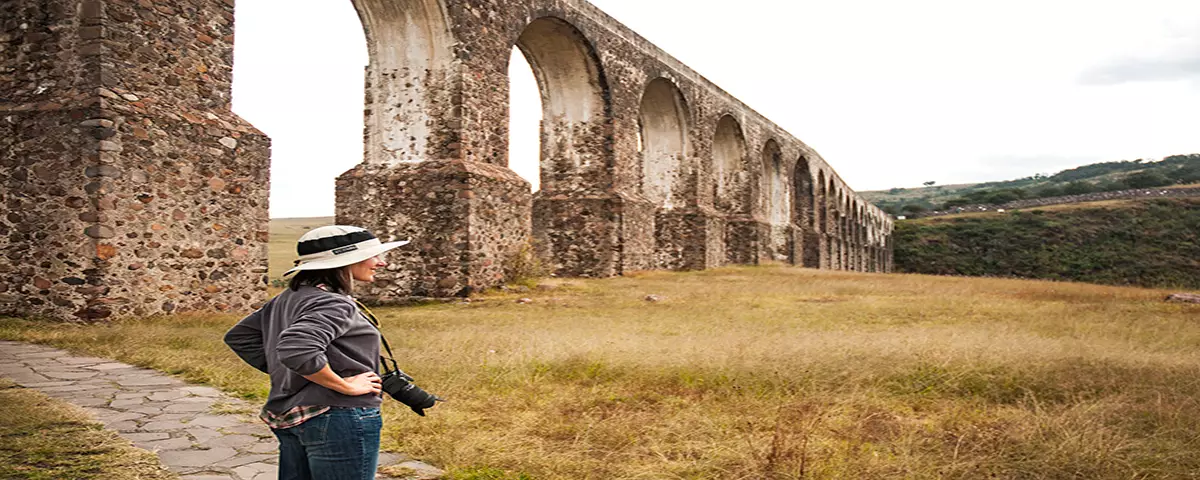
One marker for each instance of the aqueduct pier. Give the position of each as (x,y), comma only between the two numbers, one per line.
(130,188)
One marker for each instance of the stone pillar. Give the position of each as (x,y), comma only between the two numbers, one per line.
(691,239)
(582,236)
(746,239)
(469,222)
(129,186)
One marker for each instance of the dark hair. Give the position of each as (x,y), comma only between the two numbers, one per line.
(338,280)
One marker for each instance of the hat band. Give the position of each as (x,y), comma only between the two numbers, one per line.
(373,242)
(319,245)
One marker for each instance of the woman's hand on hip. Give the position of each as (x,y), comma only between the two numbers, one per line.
(362,384)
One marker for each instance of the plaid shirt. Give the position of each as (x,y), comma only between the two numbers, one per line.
(291,417)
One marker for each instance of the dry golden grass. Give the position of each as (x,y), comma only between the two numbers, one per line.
(46,439)
(766,373)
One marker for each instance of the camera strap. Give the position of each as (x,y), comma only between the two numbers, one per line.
(383,360)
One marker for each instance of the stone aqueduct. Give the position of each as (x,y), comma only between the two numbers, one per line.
(130,188)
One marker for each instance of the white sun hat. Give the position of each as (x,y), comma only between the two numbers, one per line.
(337,246)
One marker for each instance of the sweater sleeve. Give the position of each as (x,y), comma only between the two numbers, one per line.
(302,345)
(246,340)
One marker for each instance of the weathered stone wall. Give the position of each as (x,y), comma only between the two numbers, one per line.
(130,188)
(645,164)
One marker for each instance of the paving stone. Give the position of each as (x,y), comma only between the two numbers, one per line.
(65,388)
(155,412)
(242,459)
(421,470)
(40,355)
(57,383)
(90,402)
(202,434)
(105,393)
(24,379)
(147,409)
(68,375)
(256,429)
(168,444)
(138,381)
(257,470)
(81,360)
(108,366)
(215,421)
(146,437)
(202,391)
(167,395)
(183,417)
(163,425)
(263,446)
(235,441)
(126,426)
(189,407)
(392,458)
(121,417)
(132,402)
(197,458)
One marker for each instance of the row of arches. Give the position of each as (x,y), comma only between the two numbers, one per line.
(613,165)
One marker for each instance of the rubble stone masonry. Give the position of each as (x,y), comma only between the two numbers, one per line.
(129,187)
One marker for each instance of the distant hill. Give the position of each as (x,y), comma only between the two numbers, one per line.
(1152,243)
(1097,177)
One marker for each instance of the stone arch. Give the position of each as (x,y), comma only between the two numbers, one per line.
(663,141)
(775,204)
(576,162)
(730,179)
(575,111)
(805,195)
(804,218)
(774,201)
(409,79)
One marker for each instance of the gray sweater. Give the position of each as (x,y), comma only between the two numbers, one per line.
(297,333)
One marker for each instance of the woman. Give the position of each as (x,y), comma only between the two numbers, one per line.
(322,355)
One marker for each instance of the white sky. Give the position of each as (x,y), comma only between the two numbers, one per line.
(891,93)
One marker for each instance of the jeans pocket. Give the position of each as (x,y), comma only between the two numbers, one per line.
(314,431)
(368,413)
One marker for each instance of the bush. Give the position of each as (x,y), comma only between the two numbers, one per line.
(1147,180)
(1151,243)
(1078,188)
(525,267)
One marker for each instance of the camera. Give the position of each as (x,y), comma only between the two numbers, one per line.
(401,387)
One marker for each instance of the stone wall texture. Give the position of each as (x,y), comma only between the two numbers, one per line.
(644,164)
(131,189)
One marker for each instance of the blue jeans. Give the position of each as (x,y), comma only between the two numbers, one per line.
(341,444)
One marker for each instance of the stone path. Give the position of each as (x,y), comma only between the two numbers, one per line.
(198,432)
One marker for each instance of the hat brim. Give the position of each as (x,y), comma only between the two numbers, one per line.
(349,258)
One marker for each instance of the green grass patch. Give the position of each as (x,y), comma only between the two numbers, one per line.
(1153,243)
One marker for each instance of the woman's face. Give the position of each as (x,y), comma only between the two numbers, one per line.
(364,271)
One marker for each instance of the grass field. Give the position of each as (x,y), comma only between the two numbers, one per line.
(764,373)
(284,233)
(46,439)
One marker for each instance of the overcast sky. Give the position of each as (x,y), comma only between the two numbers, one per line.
(891,93)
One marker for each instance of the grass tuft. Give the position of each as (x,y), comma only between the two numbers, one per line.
(46,439)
